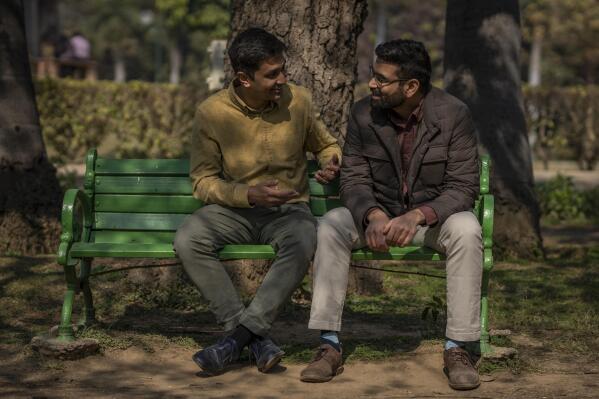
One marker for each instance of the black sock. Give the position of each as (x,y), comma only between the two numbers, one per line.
(243,336)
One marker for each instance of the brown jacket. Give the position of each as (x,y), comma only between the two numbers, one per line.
(443,172)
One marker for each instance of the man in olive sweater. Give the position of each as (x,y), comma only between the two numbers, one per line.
(248,165)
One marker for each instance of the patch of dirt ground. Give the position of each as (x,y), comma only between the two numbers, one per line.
(170,373)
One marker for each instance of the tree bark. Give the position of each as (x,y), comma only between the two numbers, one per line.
(482,43)
(321,39)
(175,63)
(30,195)
(120,69)
(534,71)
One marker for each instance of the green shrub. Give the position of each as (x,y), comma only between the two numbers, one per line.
(561,201)
(122,120)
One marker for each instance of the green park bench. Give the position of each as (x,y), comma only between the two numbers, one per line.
(131,208)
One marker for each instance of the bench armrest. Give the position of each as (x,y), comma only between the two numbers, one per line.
(76,223)
(486,210)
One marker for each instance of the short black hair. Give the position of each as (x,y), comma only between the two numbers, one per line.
(411,57)
(251,47)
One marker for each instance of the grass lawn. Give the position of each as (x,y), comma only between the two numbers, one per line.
(551,308)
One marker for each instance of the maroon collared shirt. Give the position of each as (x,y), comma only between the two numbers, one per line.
(406,135)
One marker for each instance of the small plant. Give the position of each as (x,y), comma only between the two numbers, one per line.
(559,200)
(435,307)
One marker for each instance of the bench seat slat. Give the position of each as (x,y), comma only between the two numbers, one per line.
(162,167)
(139,203)
(138,221)
(142,185)
(165,250)
(132,237)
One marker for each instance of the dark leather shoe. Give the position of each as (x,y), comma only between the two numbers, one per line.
(265,353)
(327,363)
(461,369)
(215,358)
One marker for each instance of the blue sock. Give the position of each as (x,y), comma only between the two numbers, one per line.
(470,346)
(331,338)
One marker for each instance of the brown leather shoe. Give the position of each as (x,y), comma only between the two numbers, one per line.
(461,369)
(326,364)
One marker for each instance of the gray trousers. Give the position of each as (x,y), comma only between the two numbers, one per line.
(459,238)
(290,229)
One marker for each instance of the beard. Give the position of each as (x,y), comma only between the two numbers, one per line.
(386,101)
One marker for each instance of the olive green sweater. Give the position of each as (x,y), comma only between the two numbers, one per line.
(234,146)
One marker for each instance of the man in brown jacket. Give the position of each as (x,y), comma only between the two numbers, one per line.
(248,165)
(409,176)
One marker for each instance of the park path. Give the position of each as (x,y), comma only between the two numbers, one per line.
(169,373)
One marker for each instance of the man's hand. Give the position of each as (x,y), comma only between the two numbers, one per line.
(268,194)
(400,230)
(375,236)
(330,172)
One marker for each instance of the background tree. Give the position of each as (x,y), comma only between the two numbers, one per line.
(482,45)
(190,24)
(30,195)
(321,38)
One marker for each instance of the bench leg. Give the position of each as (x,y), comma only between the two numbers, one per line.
(65,330)
(88,315)
(485,344)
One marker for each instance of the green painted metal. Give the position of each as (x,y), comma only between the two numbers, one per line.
(142,185)
(88,314)
(142,167)
(164,250)
(112,250)
(488,210)
(324,190)
(132,237)
(90,165)
(144,203)
(76,221)
(320,205)
(246,252)
(138,204)
(138,221)
(485,166)
(398,253)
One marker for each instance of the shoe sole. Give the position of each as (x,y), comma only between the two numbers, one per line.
(459,387)
(272,362)
(325,379)
(204,367)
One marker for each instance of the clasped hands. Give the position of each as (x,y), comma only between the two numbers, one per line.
(383,232)
(268,193)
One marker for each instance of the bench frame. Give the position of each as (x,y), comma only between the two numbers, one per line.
(78,220)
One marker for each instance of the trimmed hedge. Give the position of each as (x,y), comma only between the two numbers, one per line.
(122,120)
(563,123)
(150,120)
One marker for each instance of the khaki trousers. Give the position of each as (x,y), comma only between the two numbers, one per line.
(459,238)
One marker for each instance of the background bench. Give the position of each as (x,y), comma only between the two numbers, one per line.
(131,208)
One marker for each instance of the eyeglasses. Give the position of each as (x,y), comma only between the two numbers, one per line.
(382,81)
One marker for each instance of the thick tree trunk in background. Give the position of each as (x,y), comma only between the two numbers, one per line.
(175,63)
(30,195)
(482,43)
(120,69)
(534,69)
(322,38)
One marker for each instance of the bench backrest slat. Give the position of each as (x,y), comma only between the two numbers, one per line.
(146,200)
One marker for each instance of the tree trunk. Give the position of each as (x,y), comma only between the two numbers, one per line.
(175,62)
(30,195)
(321,39)
(534,71)
(482,43)
(120,69)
